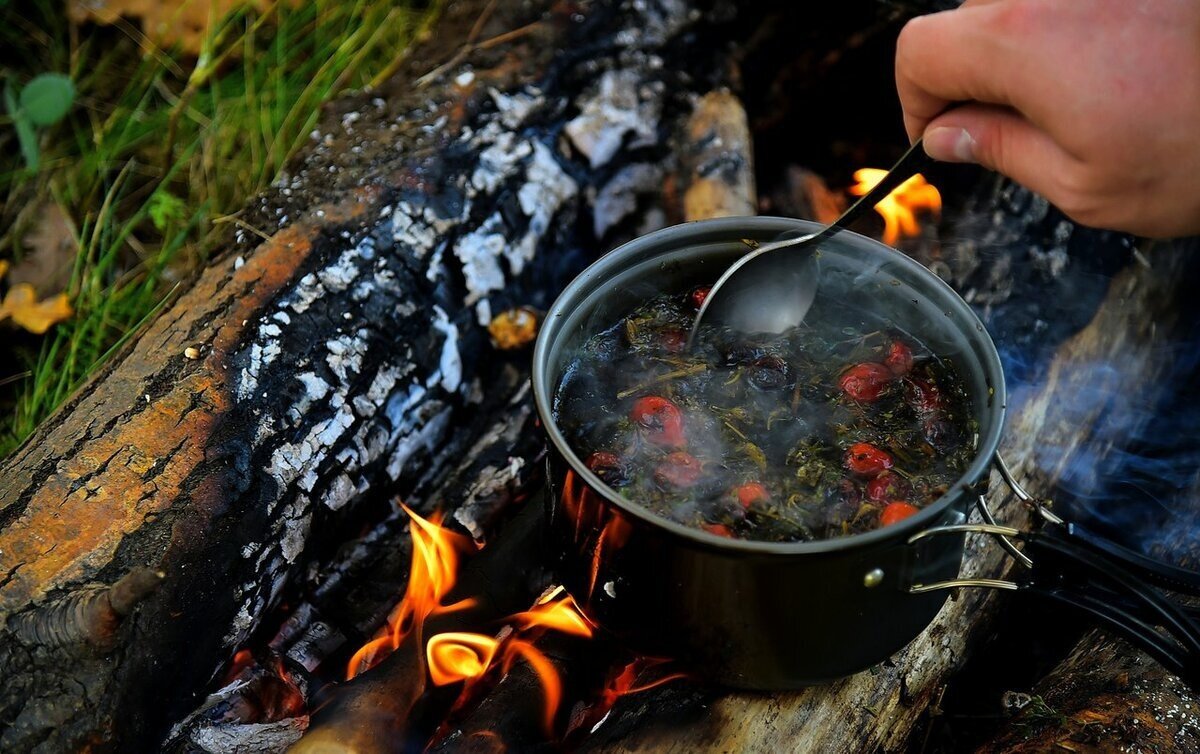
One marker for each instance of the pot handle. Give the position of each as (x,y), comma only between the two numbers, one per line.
(1074,567)
(1165,575)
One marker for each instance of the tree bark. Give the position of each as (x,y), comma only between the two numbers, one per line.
(1106,695)
(336,360)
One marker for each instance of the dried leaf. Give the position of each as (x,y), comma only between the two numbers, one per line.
(167,22)
(514,328)
(35,316)
(50,250)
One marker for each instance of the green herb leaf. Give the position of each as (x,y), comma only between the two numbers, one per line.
(164,207)
(47,98)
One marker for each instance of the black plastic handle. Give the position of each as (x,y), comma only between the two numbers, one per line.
(1067,570)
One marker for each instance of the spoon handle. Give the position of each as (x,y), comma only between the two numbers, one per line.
(910,163)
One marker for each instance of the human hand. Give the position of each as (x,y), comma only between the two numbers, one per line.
(1095,105)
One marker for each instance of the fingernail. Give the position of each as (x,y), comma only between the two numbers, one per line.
(950,144)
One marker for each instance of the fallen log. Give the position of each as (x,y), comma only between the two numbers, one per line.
(1106,695)
(335,360)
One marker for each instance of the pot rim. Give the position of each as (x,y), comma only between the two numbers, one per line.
(678,235)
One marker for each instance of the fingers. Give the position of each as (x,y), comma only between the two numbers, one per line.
(1001,139)
(953,56)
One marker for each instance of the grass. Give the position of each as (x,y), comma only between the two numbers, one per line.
(159,152)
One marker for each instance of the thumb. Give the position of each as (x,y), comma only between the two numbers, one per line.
(1001,139)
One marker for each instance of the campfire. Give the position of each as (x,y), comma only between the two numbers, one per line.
(307,507)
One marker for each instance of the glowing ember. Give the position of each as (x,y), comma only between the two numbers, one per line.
(457,656)
(432,575)
(900,207)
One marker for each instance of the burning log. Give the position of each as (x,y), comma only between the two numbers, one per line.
(337,359)
(391,706)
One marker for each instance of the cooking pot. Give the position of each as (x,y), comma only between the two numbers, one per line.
(780,615)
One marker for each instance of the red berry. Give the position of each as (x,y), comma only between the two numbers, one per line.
(865,382)
(867,460)
(699,295)
(678,469)
(896,511)
(673,340)
(752,492)
(922,395)
(661,420)
(899,358)
(721,530)
(610,467)
(886,486)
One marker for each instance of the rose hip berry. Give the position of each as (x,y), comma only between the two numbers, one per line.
(610,467)
(661,420)
(752,492)
(887,486)
(699,295)
(721,530)
(673,340)
(899,358)
(896,511)
(865,459)
(865,382)
(679,470)
(922,395)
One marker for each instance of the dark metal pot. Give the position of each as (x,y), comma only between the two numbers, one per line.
(757,615)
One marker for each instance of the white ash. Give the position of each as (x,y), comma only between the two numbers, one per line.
(499,160)
(479,252)
(515,108)
(450,362)
(618,198)
(547,187)
(619,105)
(483,312)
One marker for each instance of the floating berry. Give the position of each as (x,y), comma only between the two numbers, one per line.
(770,373)
(899,358)
(673,340)
(661,420)
(922,395)
(610,467)
(721,530)
(752,492)
(865,382)
(699,295)
(865,459)
(678,469)
(896,511)
(887,486)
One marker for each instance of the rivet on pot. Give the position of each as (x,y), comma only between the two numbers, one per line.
(873,578)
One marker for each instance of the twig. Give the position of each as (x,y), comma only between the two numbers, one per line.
(467,49)
(685,372)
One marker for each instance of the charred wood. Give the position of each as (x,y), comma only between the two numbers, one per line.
(338,360)
(392,706)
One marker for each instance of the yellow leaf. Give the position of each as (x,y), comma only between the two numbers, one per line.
(3,267)
(35,316)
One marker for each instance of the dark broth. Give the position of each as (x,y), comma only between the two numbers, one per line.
(839,426)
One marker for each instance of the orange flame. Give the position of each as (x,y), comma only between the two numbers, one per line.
(432,575)
(559,615)
(457,656)
(454,657)
(899,208)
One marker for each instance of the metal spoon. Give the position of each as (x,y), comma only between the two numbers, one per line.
(768,292)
